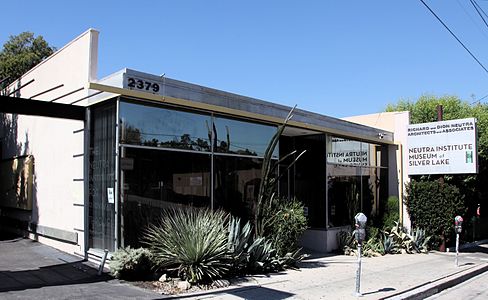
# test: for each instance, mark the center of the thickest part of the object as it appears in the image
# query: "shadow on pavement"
(475, 249)
(26, 264)
(56, 275)
(255, 293)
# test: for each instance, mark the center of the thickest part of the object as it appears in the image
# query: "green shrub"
(345, 241)
(131, 264)
(392, 212)
(433, 207)
(191, 241)
(286, 224)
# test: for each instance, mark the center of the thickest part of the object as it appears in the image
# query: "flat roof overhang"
(188, 95)
(23, 106)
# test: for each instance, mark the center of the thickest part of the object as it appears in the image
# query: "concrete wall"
(72, 66)
(322, 240)
(57, 145)
(57, 215)
(397, 123)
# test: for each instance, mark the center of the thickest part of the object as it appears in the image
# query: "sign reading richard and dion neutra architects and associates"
(446, 147)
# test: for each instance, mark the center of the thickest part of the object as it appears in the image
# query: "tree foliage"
(21, 53)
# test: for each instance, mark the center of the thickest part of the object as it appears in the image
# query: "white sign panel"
(446, 147)
(110, 195)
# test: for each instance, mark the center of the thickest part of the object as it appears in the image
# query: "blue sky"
(338, 58)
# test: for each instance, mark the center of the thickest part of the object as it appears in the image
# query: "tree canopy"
(21, 53)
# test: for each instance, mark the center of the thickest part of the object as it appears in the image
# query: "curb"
(432, 288)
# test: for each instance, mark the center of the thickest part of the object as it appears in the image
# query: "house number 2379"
(142, 85)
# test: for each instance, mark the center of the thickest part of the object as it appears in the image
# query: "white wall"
(74, 65)
(57, 144)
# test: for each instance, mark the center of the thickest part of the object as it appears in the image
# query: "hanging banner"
(445, 147)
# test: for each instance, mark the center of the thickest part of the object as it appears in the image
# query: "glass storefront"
(170, 158)
(356, 178)
(167, 158)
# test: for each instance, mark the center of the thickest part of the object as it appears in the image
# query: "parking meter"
(360, 233)
(458, 224)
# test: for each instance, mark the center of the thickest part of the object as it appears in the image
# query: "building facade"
(150, 142)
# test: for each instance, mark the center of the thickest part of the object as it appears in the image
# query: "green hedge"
(433, 206)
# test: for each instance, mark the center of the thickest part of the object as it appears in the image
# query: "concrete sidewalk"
(333, 277)
(29, 270)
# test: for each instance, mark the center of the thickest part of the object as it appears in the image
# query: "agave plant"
(401, 238)
(191, 241)
(262, 256)
(389, 245)
(238, 243)
(420, 240)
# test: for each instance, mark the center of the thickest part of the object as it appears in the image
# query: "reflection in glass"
(356, 180)
(158, 179)
(245, 138)
(101, 213)
(350, 191)
(236, 183)
(160, 127)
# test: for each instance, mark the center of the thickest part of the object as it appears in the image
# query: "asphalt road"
(474, 288)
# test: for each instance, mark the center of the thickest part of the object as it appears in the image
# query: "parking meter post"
(360, 234)
(458, 226)
(358, 272)
(457, 249)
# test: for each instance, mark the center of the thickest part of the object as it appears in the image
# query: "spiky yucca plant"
(191, 241)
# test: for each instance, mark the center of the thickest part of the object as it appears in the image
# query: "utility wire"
(457, 39)
(479, 100)
(480, 8)
(478, 11)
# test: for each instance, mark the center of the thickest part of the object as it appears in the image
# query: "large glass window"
(158, 179)
(167, 128)
(244, 138)
(236, 184)
(181, 174)
(356, 180)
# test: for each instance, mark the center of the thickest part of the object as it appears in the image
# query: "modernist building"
(149, 142)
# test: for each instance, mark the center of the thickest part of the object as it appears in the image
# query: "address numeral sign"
(143, 85)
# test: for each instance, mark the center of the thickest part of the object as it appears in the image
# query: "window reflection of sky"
(153, 126)
(245, 138)
(163, 124)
